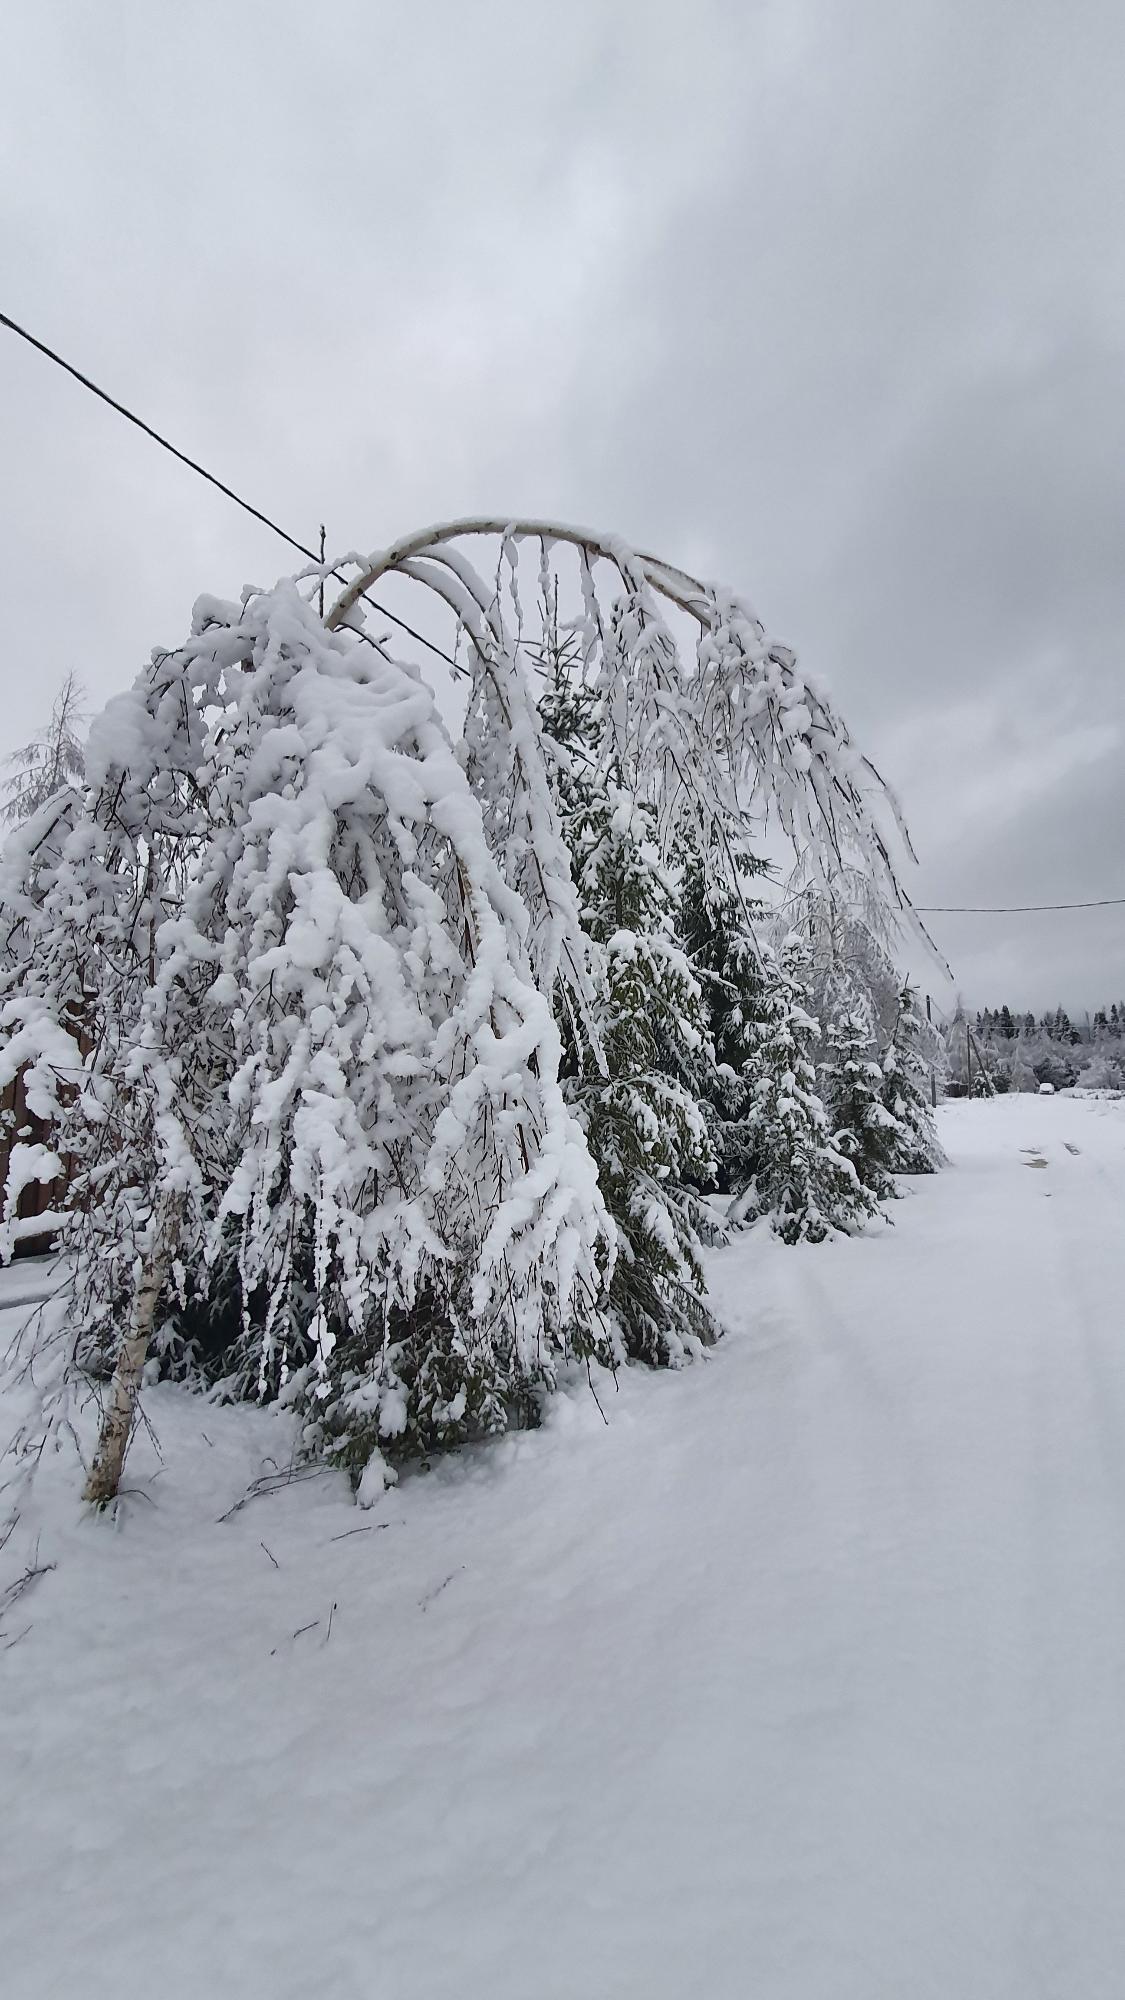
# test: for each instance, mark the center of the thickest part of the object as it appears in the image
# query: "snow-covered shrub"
(1057, 1067)
(1013, 1066)
(1102, 1072)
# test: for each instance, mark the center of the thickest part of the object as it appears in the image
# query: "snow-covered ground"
(802, 1679)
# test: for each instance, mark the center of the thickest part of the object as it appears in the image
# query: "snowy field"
(802, 1679)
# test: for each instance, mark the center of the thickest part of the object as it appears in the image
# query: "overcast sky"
(824, 300)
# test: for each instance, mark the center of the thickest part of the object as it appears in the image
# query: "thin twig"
(273, 1482)
(271, 1555)
(372, 1528)
(594, 1393)
(30, 1575)
(436, 1592)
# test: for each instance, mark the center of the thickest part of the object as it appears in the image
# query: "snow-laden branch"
(711, 729)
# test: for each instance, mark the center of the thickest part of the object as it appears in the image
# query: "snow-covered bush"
(1102, 1072)
(291, 974)
(1015, 1064)
(1056, 1067)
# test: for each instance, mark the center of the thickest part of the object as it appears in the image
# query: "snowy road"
(803, 1679)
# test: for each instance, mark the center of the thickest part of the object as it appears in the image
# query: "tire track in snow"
(1071, 1231)
(1076, 1569)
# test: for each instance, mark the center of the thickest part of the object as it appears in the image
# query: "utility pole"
(933, 1066)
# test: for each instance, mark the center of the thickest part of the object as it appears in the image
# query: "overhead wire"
(1013, 909)
(193, 464)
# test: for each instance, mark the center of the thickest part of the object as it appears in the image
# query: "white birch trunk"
(117, 1419)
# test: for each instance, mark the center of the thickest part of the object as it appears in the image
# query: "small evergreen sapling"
(720, 921)
(803, 1182)
(863, 1130)
(906, 1090)
(629, 1071)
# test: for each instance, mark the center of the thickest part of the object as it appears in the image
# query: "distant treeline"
(1000, 1048)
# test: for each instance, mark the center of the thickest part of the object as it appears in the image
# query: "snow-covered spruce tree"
(803, 1182)
(854, 974)
(629, 1070)
(291, 960)
(720, 923)
(863, 1129)
(906, 1089)
(402, 1145)
(458, 1228)
(337, 1049)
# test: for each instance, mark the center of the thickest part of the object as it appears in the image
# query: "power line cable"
(1013, 909)
(194, 465)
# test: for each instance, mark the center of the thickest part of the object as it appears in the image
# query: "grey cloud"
(827, 301)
